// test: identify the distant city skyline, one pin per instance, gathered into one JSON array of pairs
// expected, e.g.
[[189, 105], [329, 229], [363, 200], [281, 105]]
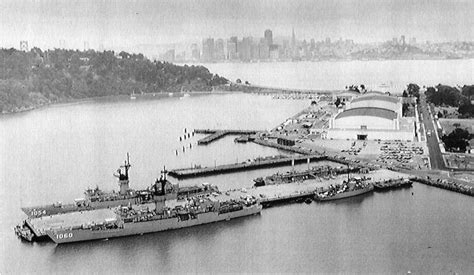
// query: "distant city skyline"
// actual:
[[265, 48], [124, 24]]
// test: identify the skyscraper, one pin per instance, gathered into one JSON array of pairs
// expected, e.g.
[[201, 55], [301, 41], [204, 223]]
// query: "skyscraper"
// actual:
[[234, 40], [231, 50], [208, 49], [402, 40], [195, 52], [263, 49], [293, 39], [245, 48], [219, 52], [268, 37]]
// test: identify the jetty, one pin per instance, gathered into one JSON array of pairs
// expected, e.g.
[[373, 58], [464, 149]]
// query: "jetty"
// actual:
[[450, 185], [215, 134], [258, 163]]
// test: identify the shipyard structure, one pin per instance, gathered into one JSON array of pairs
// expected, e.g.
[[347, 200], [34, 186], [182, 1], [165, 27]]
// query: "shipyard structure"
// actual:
[[372, 116]]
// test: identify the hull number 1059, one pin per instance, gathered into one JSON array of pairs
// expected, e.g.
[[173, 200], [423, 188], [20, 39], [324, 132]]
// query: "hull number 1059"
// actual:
[[64, 236]]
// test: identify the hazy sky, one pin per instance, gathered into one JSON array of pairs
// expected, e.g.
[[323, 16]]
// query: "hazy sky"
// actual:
[[122, 23]]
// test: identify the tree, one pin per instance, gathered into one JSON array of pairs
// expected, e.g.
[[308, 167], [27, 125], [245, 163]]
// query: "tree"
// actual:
[[405, 94], [468, 91], [413, 90], [440, 115], [31, 79], [466, 111], [446, 95], [457, 140], [338, 102], [405, 109], [238, 81]]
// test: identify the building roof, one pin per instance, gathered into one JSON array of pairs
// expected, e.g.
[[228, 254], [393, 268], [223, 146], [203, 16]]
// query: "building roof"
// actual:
[[368, 111], [376, 97]]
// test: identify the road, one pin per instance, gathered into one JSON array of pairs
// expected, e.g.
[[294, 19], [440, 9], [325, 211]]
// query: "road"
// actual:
[[436, 157]]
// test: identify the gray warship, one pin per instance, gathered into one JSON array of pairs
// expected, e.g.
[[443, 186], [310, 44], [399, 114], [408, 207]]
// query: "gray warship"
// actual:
[[97, 198], [32, 228]]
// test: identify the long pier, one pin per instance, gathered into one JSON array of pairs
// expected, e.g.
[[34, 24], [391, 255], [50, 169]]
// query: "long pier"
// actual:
[[214, 135], [258, 163]]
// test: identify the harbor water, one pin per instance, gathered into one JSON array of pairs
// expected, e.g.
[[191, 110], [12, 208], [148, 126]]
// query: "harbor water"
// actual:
[[53, 154]]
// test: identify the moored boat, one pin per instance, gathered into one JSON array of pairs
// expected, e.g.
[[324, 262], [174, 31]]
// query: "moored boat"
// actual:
[[133, 220], [97, 198], [392, 184], [352, 187], [33, 228]]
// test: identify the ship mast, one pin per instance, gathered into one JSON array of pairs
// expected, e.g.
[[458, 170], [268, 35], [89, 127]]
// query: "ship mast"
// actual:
[[123, 177]]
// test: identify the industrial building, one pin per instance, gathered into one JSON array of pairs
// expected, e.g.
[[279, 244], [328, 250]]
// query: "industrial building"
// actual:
[[372, 117]]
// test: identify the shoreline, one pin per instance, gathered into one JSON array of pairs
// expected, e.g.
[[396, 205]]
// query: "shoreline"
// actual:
[[71, 102]]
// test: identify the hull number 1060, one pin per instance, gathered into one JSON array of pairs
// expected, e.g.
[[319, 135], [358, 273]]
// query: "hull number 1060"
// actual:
[[64, 236]]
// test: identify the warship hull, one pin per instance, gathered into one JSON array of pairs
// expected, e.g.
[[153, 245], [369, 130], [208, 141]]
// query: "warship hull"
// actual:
[[346, 194], [60, 236]]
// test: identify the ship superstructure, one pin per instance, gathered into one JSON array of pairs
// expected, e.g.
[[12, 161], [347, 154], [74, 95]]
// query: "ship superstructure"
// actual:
[[164, 214]]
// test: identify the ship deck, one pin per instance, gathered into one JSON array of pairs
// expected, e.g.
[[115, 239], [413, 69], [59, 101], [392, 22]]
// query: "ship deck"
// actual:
[[67, 220]]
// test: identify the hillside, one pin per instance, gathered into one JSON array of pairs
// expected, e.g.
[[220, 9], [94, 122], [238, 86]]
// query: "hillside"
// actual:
[[35, 78]]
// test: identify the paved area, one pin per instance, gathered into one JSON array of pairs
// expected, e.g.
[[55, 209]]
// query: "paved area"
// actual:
[[436, 157]]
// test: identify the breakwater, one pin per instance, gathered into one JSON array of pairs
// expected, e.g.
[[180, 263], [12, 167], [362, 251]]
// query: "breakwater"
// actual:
[[446, 184]]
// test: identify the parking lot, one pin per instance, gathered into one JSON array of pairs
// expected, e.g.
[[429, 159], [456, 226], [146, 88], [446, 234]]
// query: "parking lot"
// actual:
[[409, 155]]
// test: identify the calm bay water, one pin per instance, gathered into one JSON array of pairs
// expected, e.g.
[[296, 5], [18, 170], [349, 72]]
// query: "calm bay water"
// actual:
[[55, 153], [336, 75]]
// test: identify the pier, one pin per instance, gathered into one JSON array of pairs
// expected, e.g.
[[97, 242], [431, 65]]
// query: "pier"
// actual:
[[290, 192], [214, 135], [258, 163]]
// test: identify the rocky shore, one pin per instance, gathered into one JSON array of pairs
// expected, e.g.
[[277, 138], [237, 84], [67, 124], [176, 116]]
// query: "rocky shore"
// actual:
[[446, 184]]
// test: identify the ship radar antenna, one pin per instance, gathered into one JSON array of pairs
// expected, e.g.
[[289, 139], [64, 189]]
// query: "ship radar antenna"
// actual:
[[127, 165], [164, 172]]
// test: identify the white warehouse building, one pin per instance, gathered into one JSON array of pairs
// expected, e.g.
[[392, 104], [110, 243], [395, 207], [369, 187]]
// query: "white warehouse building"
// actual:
[[372, 117]]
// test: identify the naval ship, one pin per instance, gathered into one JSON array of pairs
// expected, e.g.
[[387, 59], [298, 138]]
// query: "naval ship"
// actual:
[[41, 217], [165, 213], [97, 198], [352, 187]]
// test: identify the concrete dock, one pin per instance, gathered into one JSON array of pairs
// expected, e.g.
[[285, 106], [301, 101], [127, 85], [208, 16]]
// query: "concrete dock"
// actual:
[[258, 163], [214, 135]]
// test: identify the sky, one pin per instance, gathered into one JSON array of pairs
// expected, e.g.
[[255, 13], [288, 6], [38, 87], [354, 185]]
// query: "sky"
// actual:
[[127, 23]]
